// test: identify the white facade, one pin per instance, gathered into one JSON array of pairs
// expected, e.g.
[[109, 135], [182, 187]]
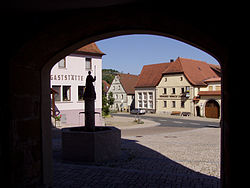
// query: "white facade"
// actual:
[[119, 94], [145, 99], [68, 78], [122, 88]]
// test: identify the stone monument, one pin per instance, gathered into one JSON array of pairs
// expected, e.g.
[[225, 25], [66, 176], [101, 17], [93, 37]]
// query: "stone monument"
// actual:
[[90, 143]]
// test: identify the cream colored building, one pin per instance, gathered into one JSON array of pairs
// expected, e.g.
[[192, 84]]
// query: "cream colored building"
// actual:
[[174, 93], [208, 102], [189, 87]]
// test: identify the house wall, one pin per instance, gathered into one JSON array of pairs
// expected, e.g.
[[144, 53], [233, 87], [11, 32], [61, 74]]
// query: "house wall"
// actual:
[[74, 75], [212, 86], [131, 102], [202, 103], [119, 95], [165, 99], [145, 102]]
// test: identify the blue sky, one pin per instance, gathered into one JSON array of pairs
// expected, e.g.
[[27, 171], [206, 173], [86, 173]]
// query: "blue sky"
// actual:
[[129, 53]]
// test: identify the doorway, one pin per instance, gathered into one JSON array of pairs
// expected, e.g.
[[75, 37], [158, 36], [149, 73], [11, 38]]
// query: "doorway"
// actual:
[[212, 109], [198, 111]]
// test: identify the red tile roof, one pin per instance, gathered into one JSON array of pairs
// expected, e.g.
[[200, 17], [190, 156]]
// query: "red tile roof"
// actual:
[[151, 75], [217, 79], [105, 86], [215, 67], [208, 93], [195, 71], [91, 48], [128, 82]]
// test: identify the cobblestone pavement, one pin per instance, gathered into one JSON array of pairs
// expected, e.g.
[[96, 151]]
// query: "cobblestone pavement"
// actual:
[[176, 159]]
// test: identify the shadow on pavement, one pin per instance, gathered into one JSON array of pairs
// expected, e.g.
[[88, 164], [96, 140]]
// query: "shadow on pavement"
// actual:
[[138, 166]]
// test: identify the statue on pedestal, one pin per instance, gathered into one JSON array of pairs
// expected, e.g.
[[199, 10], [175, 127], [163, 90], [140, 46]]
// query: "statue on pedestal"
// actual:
[[89, 97], [89, 90]]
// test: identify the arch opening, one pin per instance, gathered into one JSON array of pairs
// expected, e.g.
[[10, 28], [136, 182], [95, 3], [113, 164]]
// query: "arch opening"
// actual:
[[212, 109], [57, 57]]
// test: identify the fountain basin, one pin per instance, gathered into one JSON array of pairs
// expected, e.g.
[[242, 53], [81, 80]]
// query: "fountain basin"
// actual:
[[78, 145]]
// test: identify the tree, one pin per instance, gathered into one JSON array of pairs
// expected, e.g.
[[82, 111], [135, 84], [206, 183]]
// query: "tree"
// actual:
[[108, 75], [111, 99], [107, 101]]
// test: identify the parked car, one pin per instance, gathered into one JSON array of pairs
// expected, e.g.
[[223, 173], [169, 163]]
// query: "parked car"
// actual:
[[137, 111]]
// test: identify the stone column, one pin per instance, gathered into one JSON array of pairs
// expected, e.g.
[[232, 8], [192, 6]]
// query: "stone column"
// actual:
[[90, 114]]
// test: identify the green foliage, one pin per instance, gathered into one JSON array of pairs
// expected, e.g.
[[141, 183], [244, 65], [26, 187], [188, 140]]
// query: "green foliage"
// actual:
[[108, 75], [106, 102], [111, 99], [105, 110]]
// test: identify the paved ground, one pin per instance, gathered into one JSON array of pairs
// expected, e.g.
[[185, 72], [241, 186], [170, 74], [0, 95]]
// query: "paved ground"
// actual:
[[174, 121], [168, 157]]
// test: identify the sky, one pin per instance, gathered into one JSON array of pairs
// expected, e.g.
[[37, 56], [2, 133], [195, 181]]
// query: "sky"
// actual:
[[129, 53]]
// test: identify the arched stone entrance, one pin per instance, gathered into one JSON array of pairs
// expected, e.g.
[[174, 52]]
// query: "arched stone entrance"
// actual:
[[35, 38], [212, 109]]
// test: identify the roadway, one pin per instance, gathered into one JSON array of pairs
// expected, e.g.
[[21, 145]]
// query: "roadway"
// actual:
[[168, 124]]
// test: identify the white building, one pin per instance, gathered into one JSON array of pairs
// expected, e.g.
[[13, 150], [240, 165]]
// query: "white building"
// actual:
[[68, 78], [145, 89], [123, 90]]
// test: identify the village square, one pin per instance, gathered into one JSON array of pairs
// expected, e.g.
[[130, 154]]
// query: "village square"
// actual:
[[168, 116]]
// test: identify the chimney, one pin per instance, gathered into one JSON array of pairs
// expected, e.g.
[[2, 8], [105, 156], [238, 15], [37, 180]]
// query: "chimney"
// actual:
[[171, 60]]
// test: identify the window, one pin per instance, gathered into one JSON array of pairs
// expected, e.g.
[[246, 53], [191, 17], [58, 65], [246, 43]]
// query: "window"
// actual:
[[88, 63], [139, 96], [182, 104], [182, 90], [145, 104], [145, 96], [140, 104], [62, 63], [173, 104], [66, 93], [181, 78], [150, 104], [80, 92], [150, 95], [173, 90], [165, 91], [165, 104], [210, 88], [58, 94], [166, 79], [218, 88], [113, 87]]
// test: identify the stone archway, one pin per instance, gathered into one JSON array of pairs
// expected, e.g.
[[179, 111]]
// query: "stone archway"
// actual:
[[38, 37], [212, 109]]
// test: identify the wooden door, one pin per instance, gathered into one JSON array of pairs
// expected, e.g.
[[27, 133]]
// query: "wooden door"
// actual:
[[212, 109]]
